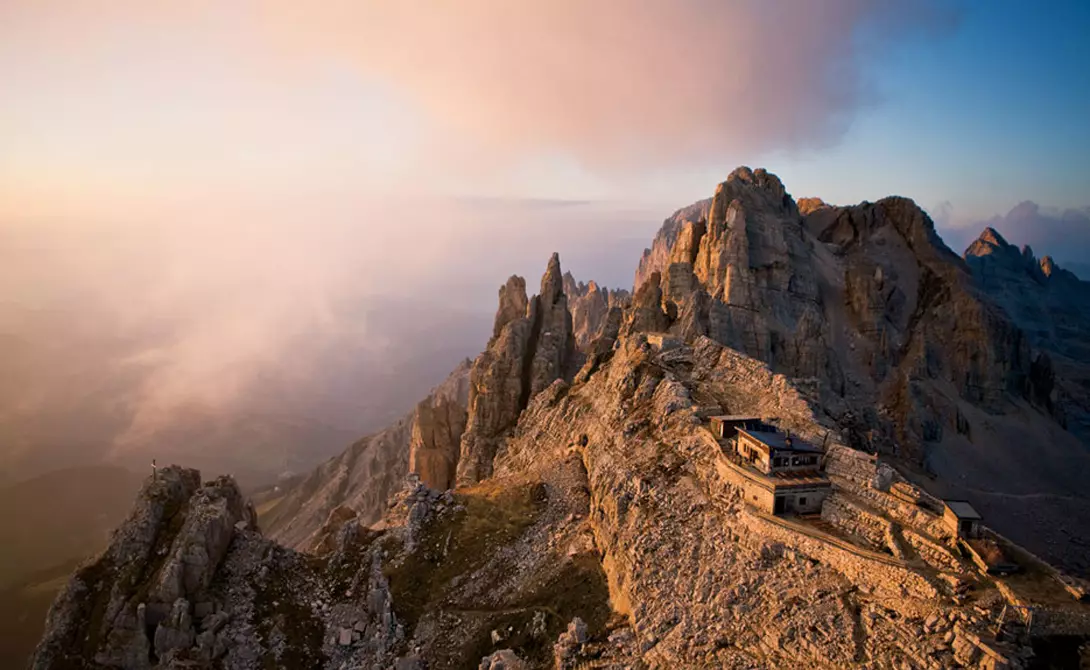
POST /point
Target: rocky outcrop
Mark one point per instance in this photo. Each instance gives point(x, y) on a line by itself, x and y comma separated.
point(364, 476)
point(589, 305)
point(513, 304)
point(438, 425)
point(810, 205)
point(657, 257)
point(136, 601)
point(853, 297)
point(527, 355)
point(552, 341)
point(646, 314)
point(913, 350)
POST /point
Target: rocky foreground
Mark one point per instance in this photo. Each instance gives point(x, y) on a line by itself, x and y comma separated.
point(569, 508)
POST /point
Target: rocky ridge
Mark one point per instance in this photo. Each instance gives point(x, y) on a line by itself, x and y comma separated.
point(365, 475)
point(1052, 306)
point(910, 354)
point(591, 525)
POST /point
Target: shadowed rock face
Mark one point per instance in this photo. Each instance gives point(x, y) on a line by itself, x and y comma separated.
point(589, 305)
point(437, 431)
point(658, 257)
point(1052, 306)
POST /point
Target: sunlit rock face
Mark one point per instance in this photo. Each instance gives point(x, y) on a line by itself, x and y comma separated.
point(559, 500)
point(524, 356)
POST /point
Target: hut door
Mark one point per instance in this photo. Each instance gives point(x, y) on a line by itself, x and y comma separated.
point(780, 505)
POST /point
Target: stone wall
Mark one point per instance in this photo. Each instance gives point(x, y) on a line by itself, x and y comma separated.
point(857, 466)
point(839, 511)
point(933, 553)
point(885, 578)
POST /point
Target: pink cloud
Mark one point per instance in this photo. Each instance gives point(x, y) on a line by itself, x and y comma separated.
point(611, 82)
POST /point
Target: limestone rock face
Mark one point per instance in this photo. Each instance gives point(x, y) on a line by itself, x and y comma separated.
point(844, 295)
point(589, 305)
point(753, 261)
point(913, 350)
point(646, 314)
point(552, 342)
point(657, 257)
point(365, 475)
point(810, 205)
point(437, 429)
point(588, 310)
point(528, 354)
point(513, 304)
point(497, 380)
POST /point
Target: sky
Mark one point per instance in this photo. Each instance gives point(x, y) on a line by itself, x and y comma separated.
point(116, 108)
point(269, 206)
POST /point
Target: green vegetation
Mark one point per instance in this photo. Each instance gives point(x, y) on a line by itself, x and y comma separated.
point(493, 517)
point(452, 550)
point(579, 589)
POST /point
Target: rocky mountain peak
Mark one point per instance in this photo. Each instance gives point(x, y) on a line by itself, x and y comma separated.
point(810, 205)
point(552, 282)
point(526, 355)
point(989, 241)
point(572, 288)
point(138, 600)
point(513, 304)
point(759, 178)
point(593, 520)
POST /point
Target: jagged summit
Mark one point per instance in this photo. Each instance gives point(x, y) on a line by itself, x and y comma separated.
point(552, 282)
point(528, 353)
point(992, 243)
point(513, 304)
point(133, 605)
point(562, 500)
point(989, 239)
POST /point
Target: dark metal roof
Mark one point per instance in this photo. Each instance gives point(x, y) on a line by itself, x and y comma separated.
point(962, 509)
point(779, 441)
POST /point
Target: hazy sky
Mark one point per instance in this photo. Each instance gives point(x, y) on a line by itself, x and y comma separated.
point(303, 209)
point(117, 107)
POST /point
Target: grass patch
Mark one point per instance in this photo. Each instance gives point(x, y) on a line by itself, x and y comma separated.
point(493, 517)
point(578, 590)
point(455, 547)
point(266, 507)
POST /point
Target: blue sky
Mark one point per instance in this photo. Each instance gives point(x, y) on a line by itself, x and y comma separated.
point(990, 113)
